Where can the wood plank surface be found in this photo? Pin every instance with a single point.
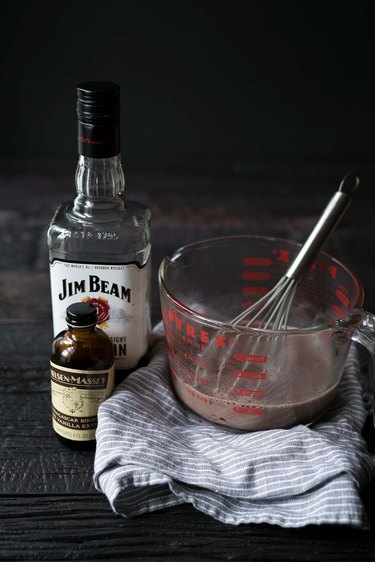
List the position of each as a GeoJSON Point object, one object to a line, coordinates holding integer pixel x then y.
{"type": "Point", "coordinates": [80, 528]}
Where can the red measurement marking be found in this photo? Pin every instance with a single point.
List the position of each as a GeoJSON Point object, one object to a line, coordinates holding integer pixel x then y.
{"type": "Point", "coordinates": [283, 255]}
{"type": "Point", "coordinates": [253, 375]}
{"type": "Point", "coordinates": [195, 360]}
{"type": "Point", "coordinates": [247, 358]}
{"type": "Point", "coordinates": [256, 261]}
{"type": "Point", "coordinates": [338, 311]}
{"type": "Point", "coordinates": [248, 410]}
{"type": "Point", "coordinates": [251, 275]}
{"type": "Point", "coordinates": [249, 392]}
{"type": "Point", "coordinates": [332, 270]}
{"type": "Point", "coordinates": [322, 267]}
{"type": "Point", "coordinates": [342, 297]}
{"type": "Point", "coordinates": [255, 291]}
{"type": "Point", "coordinates": [220, 341]}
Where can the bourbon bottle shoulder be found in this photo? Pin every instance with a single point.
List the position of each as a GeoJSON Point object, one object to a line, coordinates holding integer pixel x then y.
{"type": "Point", "coordinates": [122, 236]}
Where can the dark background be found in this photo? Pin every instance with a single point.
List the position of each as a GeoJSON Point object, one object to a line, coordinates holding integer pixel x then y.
{"type": "Point", "coordinates": [257, 87]}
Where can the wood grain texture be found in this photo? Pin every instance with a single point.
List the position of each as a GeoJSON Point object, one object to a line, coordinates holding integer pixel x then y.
{"type": "Point", "coordinates": [80, 528]}
{"type": "Point", "coordinates": [49, 509]}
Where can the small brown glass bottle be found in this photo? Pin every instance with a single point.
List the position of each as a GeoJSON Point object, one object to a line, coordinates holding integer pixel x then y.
{"type": "Point", "coordinates": [82, 376]}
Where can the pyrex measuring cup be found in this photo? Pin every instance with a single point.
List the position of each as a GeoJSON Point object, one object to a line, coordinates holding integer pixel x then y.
{"type": "Point", "coordinates": [250, 378]}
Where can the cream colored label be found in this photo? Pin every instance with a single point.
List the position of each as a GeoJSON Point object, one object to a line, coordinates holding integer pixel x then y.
{"type": "Point", "coordinates": [76, 396]}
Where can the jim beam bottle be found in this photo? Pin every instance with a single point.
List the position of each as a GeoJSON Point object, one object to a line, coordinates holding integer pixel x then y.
{"type": "Point", "coordinates": [82, 376]}
{"type": "Point", "coordinates": [99, 243]}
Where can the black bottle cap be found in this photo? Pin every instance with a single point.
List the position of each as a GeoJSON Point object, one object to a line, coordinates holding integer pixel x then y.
{"type": "Point", "coordinates": [97, 100]}
{"type": "Point", "coordinates": [98, 110]}
{"type": "Point", "coordinates": [81, 314]}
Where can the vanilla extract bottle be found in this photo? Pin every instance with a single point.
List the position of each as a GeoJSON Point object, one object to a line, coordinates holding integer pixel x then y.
{"type": "Point", "coordinates": [99, 243]}
{"type": "Point", "coordinates": [82, 376]}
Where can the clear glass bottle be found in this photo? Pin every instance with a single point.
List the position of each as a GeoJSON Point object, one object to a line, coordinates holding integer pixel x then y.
{"type": "Point", "coordinates": [82, 376]}
{"type": "Point", "coordinates": [99, 243]}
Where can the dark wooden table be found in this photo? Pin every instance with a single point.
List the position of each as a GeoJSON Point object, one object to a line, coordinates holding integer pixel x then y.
{"type": "Point", "coordinates": [49, 507]}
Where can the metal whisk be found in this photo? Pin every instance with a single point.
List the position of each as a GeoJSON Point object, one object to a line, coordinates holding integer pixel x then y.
{"type": "Point", "coordinates": [272, 310]}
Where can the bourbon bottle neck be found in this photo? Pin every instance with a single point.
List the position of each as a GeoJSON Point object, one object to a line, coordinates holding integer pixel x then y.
{"type": "Point", "coordinates": [100, 186]}
{"type": "Point", "coordinates": [99, 177]}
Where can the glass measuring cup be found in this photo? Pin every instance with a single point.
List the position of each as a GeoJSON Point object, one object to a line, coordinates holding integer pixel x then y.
{"type": "Point", "coordinates": [250, 378]}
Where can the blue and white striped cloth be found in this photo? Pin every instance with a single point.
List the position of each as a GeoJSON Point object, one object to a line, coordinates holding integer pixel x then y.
{"type": "Point", "coordinates": [152, 453]}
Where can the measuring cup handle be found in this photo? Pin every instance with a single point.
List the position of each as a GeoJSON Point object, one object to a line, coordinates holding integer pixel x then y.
{"type": "Point", "coordinates": [364, 334]}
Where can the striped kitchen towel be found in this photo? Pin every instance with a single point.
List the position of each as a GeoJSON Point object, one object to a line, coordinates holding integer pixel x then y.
{"type": "Point", "coordinates": [152, 453]}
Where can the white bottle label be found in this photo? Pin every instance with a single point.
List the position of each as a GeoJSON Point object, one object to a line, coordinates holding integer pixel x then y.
{"type": "Point", "coordinates": [121, 294]}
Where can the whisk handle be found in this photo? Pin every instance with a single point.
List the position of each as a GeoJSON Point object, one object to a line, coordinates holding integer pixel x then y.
{"type": "Point", "coordinates": [324, 227]}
